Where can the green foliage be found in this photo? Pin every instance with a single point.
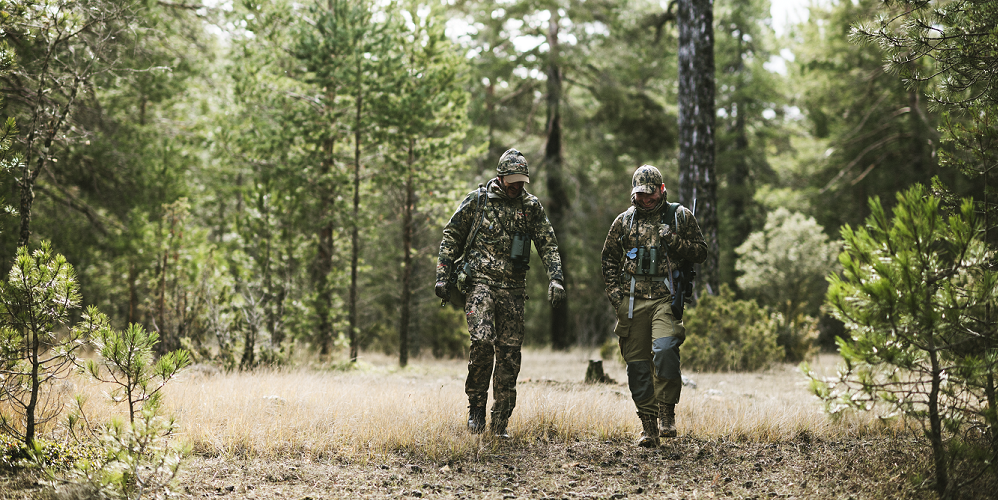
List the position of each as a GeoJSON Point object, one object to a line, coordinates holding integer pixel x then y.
{"type": "Point", "coordinates": [135, 459]}
{"type": "Point", "coordinates": [14, 454]}
{"type": "Point", "coordinates": [136, 456]}
{"type": "Point", "coordinates": [36, 302]}
{"type": "Point", "coordinates": [784, 266]}
{"type": "Point", "coordinates": [916, 294]}
{"type": "Point", "coordinates": [751, 104]}
{"type": "Point", "coordinates": [126, 361]}
{"type": "Point", "coordinates": [724, 334]}
{"type": "Point", "coordinates": [948, 53]}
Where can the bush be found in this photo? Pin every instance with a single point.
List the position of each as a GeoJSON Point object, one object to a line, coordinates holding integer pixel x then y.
{"type": "Point", "coordinates": [727, 334]}
{"type": "Point", "coordinates": [14, 454]}
{"type": "Point", "coordinates": [785, 264]}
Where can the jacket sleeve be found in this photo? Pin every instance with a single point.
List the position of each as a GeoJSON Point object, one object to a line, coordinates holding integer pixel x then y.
{"type": "Point", "coordinates": [689, 243]}
{"type": "Point", "coordinates": [612, 257]}
{"type": "Point", "coordinates": [455, 234]}
{"type": "Point", "coordinates": [547, 244]}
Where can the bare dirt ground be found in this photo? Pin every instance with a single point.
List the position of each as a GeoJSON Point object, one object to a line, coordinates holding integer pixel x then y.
{"type": "Point", "coordinates": [684, 467]}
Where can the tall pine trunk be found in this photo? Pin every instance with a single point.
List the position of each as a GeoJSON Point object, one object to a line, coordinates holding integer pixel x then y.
{"type": "Point", "coordinates": [558, 204]}
{"type": "Point", "coordinates": [739, 190]}
{"type": "Point", "coordinates": [696, 127]}
{"type": "Point", "coordinates": [354, 233]}
{"type": "Point", "coordinates": [324, 259]}
{"type": "Point", "coordinates": [408, 208]}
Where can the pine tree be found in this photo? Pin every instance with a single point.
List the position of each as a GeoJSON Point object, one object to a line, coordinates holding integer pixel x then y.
{"type": "Point", "coordinates": [913, 294]}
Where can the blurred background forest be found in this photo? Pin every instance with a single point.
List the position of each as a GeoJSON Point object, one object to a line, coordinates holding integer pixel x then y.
{"type": "Point", "coordinates": [257, 178]}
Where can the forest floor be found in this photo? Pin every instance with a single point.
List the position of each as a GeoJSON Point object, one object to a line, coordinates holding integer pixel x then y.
{"type": "Point", "coordinates": [384, 432]}
{"type": "Point", "coordinates": [684, 467]}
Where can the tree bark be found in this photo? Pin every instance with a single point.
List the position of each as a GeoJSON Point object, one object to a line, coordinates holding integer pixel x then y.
{"type": "Point", "coordinates": [324, 258]}
{"type": "Point", "coordinates": [407, 210]}
{"type": "Point", "coordinates": [936, 427]}
{"type": "Point", "coordinates": [696, 128]}
{"type": "Point", "coordinates": [354, 235]}
{"type": "Point", "coordinates": [558, 205]}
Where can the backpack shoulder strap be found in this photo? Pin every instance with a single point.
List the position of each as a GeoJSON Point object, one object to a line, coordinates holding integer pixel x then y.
{"type": "Point", "coordinates": [480, 207]}
{"type": "Point", "coordinates": [671, 215]}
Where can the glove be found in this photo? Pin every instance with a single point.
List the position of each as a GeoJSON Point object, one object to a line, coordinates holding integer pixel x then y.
{"type": "Point", "coordinates": [556, 293]}
{"type": "Point", "coordinates": [441, 290]}
{"type": "Point", "coordinates": [665, 232]}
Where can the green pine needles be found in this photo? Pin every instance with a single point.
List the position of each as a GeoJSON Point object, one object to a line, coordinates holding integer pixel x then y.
{"type": "Point", "coordinates": [918, 294]}
{"type": "Point", "coordinates": [40, 347]}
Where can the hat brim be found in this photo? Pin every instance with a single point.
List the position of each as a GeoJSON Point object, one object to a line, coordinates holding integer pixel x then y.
{"type": "Point", "coordinates": [516, 178]}
{"type": "Point", "coordinates": [644, 188]}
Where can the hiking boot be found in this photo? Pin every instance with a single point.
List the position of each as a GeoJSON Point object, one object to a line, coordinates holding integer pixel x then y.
{"type": "Point", "coordinates": [649, 433]}
{"type": "Point", "coordinates": [476, 419]}
{"type": "Point", "coordinates": [667, 420]}
{"type": "Point", "coordinates": [498, 425]}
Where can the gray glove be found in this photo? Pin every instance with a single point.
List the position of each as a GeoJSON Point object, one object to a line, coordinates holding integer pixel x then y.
{"type": "Point", "coordinates": [556, 293]}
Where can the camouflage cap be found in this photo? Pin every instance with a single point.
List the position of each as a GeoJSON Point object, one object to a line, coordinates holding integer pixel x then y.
{"type": "Point", "coordinates": [646, 179]}
{"type": "Point", "coordinates": [513, 166]}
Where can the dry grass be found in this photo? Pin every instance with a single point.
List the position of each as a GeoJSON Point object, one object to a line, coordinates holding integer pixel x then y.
{"type": "Point", "coordinates": [379, 408]}
{"type": "Point", "coordinates": [378, 431]}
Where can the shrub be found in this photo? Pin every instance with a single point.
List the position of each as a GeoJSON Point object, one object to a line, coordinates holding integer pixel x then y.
{"type": "Point", "coordinates": [785, 264]}
{"type": "Point", "coordinates": [727, 334]}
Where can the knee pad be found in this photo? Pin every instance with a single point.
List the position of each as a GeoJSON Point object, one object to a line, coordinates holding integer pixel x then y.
{"type": "Point", "coordinates": [666, 357]}
{"type": "Point", "coordinates": [639, 381]}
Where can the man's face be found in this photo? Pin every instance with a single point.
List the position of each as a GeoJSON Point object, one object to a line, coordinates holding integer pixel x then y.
{"type": "Point", "coordinates": [649, 200]}
{"type": "Point", "coordinates": [513, 189]}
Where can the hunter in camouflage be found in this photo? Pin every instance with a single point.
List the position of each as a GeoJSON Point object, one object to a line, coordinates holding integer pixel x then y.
{"type": "Point", "coordinates": [640, 256]}
{"type": "Point", "coordinates": [497, 217]}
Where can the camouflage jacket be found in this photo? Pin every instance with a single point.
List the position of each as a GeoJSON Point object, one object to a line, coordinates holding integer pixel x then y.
{"type": "Point", "coordinates": [490, 253]}
{"type": "Point", "coordinates": [635, 228]}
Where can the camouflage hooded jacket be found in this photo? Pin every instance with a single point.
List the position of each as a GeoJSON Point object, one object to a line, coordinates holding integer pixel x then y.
{"type": "Point", "coordinates": [490, 253]}
{"type": "Point", "coordinates": [635, 228]}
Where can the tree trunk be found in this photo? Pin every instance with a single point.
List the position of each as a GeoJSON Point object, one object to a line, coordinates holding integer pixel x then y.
{"type": "Point", "coordinates": [324, 258]}
{"type": "Point", "coordinates": [133, 293]}
{"type": "Point", "coordinates": [558, 204]}
{"type": "Point", "coordinates": [29, 410]}
{"type": "Point", "coordinates": [249, 346]}
{"type": "Point", "coordinates": [936, 427]}
{"type": "Point", "coordinates": [696, 128]}
{"type": "Point", "coordinates": [354, 235]}
{"type": "Point", "coordinates": [407, 210]}
{"type": "Point", "coordinates": [739, 190]}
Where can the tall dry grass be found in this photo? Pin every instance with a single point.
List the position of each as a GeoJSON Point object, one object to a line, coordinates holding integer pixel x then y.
{"type": "Point", "coordinates": [377, 408]}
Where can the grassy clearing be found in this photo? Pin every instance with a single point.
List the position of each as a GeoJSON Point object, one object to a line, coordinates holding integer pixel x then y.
{"type": "Point", "coordinates": [378, 409]}
{"type": "Point", "coordinates": [378, 431]}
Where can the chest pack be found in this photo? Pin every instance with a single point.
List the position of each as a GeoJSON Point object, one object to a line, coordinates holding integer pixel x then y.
{"type": "Point", "coordinates": [519, 252]}
{"type": "Point", "coordinates": [648, 264]}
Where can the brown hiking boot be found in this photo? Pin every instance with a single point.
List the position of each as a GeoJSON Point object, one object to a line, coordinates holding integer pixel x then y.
{"type": "Point", "coordinates": [649, 433]}
{"type": "Point", "coordinates": [667, 418]}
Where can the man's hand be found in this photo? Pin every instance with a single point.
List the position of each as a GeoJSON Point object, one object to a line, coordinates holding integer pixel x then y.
{"type": "Point", "coordinates": [556, 293]}
{"type": "Point", "coordinates": [441, 290]}
{"type": "Point", "coordinates": [665, 232]}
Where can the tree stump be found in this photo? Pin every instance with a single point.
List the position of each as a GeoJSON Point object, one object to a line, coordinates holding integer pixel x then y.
{"type": "Point", "coordinates": [595, 374]}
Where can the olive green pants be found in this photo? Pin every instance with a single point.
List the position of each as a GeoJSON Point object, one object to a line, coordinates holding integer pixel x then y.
{"type": "Point", "coordinates": [649, 342]}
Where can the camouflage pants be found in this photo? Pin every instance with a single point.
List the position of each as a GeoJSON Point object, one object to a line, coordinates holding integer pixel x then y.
{"type": "Point", "coordinates": [495, 321]}
{"type": "Point", "coordinates": [649, 342]}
